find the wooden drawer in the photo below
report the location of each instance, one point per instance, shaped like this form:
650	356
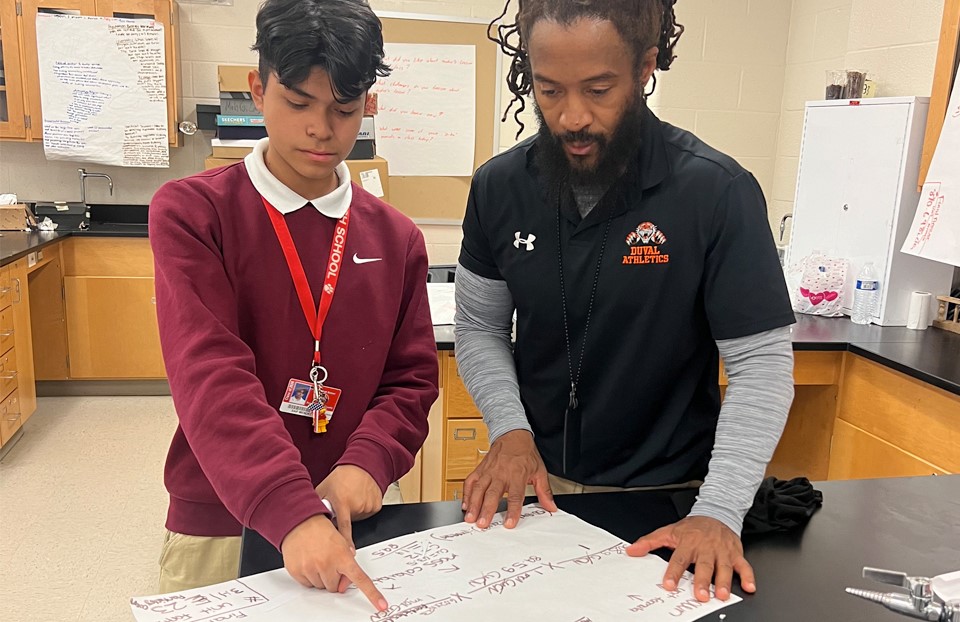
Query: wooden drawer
911	415
8	373
10	420
7	294
465	445
6	330
457	402
107	257
809	368
856	454
453	491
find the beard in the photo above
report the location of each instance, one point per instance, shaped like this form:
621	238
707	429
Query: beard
613	153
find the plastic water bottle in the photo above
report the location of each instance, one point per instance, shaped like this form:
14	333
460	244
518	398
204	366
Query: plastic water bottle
866	295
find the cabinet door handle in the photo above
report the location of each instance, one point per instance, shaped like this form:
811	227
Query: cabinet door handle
465	434
483	452
19	292
6	333
11	376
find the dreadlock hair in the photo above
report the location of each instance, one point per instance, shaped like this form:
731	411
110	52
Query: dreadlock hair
342	37
641	23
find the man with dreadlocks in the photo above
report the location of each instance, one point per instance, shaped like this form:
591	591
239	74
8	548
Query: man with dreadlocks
634	256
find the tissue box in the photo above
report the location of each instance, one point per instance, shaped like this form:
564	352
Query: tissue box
14	217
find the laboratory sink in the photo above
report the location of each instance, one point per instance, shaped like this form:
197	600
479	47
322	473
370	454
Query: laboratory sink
117	215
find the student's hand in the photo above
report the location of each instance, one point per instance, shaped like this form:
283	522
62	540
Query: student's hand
711	546
354	495
512	463
315	554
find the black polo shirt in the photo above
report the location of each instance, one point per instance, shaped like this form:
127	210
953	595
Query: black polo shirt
689	259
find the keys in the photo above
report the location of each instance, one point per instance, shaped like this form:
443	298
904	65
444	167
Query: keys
318	407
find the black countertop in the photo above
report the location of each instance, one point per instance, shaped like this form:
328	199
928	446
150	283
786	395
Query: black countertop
932	355
906	524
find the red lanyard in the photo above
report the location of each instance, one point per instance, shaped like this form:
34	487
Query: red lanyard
300	277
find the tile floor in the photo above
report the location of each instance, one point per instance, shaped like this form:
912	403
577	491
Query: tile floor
82	506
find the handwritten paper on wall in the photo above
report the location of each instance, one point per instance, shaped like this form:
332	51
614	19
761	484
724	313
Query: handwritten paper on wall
935	233
103	90
551	566
426	118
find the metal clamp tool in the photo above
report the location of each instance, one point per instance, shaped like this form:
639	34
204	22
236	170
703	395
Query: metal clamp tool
934	599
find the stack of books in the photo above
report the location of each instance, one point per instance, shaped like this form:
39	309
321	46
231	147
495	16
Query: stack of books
239	123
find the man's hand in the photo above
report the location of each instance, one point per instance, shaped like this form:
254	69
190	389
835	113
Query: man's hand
315	554
513	462
709	544
354	495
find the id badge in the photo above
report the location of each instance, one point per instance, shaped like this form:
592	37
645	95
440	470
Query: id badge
299	396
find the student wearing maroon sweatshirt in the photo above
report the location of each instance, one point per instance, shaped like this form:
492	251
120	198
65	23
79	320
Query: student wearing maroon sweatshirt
244	254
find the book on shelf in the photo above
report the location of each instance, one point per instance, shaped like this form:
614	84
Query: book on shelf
239	120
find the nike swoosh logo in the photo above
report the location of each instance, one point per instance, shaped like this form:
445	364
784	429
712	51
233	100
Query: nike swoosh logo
359	260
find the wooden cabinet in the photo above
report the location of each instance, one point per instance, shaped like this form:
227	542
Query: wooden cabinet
23	340
850	418
21	64
18	396
891	424
48	319
858	454
464	433
12	118
110	307
112	327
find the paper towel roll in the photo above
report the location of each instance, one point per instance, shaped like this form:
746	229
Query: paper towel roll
918	314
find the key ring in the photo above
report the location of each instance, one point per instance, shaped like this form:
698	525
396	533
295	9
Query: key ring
315	374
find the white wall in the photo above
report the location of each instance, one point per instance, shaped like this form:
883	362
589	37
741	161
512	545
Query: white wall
894	41
743	71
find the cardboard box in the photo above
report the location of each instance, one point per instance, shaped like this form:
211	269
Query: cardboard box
369	173
233	78
212	162
14	217
234	153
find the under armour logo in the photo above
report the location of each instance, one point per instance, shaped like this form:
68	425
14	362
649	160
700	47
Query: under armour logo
528	241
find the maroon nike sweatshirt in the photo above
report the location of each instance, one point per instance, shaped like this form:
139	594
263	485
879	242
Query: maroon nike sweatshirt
233	334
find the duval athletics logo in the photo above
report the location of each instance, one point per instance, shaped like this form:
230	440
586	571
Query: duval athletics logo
644	243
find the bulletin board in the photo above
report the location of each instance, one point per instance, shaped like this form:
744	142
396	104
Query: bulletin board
444	198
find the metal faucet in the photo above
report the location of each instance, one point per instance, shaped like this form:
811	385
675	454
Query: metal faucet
935	600
83	192
783	223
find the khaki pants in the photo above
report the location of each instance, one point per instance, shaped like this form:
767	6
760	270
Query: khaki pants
561	486
187	562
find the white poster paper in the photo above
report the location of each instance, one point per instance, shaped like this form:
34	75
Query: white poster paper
550	567
427	110
443	303
935	233
370	180
103	90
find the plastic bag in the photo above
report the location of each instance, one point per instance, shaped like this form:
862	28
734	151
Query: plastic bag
820	288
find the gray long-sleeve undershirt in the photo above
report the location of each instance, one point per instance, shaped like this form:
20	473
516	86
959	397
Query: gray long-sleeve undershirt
754	410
